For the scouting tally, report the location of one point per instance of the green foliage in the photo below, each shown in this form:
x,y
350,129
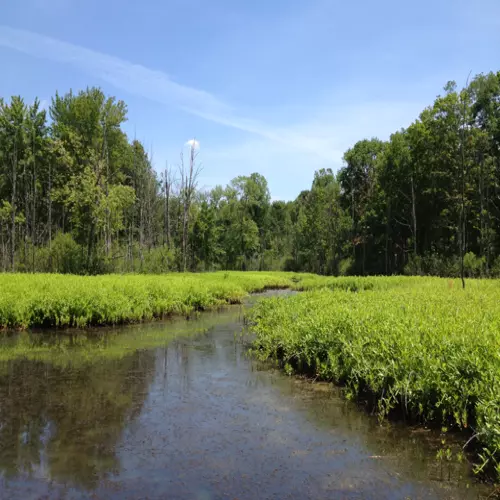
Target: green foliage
x,y
414,204
158,260
345,266
473,265
64,255
422,347
61,300
435,265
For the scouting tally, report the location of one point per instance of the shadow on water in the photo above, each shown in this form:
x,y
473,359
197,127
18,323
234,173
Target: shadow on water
x,y
178,410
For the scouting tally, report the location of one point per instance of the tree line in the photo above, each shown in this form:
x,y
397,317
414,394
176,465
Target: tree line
x,y
78,196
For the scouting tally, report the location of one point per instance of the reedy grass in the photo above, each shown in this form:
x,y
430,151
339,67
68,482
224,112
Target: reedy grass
x,y
48,300
53,300
422,347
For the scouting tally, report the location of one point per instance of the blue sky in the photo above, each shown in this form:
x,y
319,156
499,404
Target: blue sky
x,y
280,87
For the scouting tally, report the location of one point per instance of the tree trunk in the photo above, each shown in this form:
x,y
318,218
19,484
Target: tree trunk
x,y
90,248
26,215
188,186
131,247
13,214
487,229
364,250
462,203
184,235
353,232
141,233
414,216
3,246
167,206
33,216
387,229
108,214
49,194
482,221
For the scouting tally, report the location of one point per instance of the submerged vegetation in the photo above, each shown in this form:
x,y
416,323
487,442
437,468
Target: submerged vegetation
x,y
423,348
85,347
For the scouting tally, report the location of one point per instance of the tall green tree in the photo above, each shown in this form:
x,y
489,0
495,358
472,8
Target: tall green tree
x,y
359,182
77,195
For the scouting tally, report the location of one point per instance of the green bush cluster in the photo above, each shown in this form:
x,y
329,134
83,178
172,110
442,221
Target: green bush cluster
x,y
421,347
432,264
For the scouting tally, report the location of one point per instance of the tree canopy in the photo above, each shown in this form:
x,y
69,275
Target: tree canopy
x,y
77,195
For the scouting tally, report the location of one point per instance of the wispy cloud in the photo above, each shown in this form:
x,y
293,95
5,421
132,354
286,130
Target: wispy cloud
x,y
122,74
155,85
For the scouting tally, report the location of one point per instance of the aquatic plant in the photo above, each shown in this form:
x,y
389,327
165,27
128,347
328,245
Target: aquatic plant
x,y
77,301
48,300
421,347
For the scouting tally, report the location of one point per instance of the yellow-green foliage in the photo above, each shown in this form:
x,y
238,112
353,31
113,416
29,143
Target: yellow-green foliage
x,y
64,300
420,346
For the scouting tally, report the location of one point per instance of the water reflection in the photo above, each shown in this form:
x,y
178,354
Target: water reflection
x,y
178,410
64,423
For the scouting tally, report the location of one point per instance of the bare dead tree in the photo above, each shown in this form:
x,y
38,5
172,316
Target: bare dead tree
x,y
133,210
189,180
151,203
141,224
168,180
2,243
151,199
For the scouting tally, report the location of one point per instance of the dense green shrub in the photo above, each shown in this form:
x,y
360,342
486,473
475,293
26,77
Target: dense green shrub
x,y
473,265
420,346
346,266
68,300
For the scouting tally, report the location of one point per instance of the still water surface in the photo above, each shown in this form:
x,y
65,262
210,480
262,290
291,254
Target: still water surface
x,y
177,410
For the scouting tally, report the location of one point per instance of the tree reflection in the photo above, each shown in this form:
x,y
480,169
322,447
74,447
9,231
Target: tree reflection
x,y
64,422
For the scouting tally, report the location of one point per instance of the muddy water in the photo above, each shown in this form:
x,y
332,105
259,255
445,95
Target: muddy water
x,y
178,410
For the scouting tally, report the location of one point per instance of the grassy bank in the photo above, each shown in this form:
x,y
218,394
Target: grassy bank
x,y
47,300
65,300
421,347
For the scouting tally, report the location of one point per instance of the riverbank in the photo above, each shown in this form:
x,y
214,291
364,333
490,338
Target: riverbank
x,y
67,301
57,300
52,300
61,300
428,351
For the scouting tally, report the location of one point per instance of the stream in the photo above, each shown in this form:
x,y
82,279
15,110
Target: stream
x,y
178,410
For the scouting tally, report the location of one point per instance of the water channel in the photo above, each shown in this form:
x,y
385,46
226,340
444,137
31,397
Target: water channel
x,y
177,409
